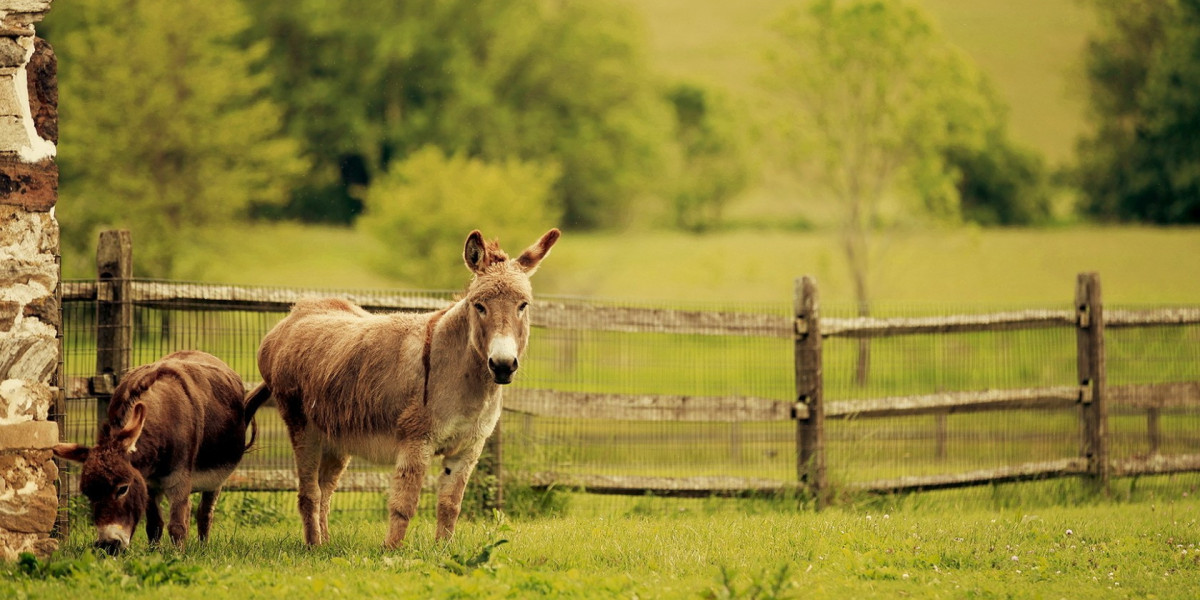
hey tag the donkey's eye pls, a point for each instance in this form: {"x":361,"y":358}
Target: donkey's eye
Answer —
{"x":122,"y":490}
{"x":481,"y":309}
{"x":522,"y":307}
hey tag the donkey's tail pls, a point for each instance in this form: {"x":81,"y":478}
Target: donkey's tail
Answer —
{"x":254,"y":400}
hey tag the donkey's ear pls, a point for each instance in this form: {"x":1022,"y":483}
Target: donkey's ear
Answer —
{"x":533,"y":255}
{"x":72,"y":452}
{"x":128,"y":436}
{"x":474,"y":253}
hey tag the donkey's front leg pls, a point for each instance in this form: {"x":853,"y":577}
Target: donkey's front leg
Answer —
{"x":452,"y":483}
{"x":179,"y":495}
{"x":154,"y":520}
{"x":412,"y":463}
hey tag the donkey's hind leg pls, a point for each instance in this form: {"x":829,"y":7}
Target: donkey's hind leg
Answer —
{"x":333,"y":463}
{"x":204,"y":514}
{"x":306,"y":446}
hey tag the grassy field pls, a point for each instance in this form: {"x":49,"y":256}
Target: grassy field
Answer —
{"x":946,"y":267}
{"x":922,"y":546}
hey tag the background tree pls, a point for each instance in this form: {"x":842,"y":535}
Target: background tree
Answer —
{"x":169,"y":128}
{"x":715,"y":165}
{"x":372,"y":81}
{"x":1167,"y":189}
{"x":1142,"y":161}
{"x":878,"y":106}
{"x":1001,"y":183}
{"x":1117,"y":63}
{"x":452,"y":195}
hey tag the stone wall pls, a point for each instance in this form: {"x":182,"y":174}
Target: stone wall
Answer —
{"x":30,"y":319}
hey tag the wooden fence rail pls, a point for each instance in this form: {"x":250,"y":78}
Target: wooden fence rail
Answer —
{"x":115,"y":293}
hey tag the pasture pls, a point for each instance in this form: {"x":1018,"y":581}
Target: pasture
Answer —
{"x":1013,"y":542}
{"x":983,"y":268}
{"x":941,"y":544}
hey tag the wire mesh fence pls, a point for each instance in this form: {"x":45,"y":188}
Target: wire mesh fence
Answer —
{"x":581,"y":351}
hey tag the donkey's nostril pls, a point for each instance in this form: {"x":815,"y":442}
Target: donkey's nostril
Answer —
{"x":502,"y":370}
{"x":502,"y":366}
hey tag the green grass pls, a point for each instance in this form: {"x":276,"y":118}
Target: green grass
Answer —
{"x":930,"y":546}
{"x":946,"y":268}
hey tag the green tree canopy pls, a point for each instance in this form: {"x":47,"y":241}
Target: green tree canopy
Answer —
{"x":422,"y":209}
{"x":715,"y":166}
{"x":1141,"y":161}
{"x":372,"y":81}
{"x":166,"y":126}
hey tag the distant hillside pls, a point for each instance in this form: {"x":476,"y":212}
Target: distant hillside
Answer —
{"x":1030,"y":49}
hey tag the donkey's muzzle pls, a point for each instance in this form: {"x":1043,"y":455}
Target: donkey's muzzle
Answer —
{"x":502,"y":370}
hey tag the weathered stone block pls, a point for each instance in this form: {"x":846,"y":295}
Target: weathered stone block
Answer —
{"x":18,"y":16}
{"x":11,"y":53}
{"x":26,"y":236}
{"x":10,"y":105}
{"x":32,"y":186}
{"x":44,"y":309}
{"x":28,"y":436}
{"x":8,"y":314}
{"x":13,"y":544}
{"x":43,"y":90}
{"x":22,"y":401}
{"x":28,"y":357}
{"x":28,"y":495}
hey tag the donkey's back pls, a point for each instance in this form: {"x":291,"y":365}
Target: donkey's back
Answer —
{"x":349,"y":373}
{"x":196,"y":417}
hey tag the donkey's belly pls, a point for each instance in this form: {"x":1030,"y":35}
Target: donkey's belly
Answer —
{"x":201,"y":480}
{"x":210,"y":480}
{"x":379,"y":449}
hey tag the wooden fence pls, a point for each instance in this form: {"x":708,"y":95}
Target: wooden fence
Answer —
{"x":115,"y":293}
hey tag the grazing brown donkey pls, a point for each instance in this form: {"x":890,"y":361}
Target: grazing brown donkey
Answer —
{"x":400,"y":388}
{"x":184,"y":429}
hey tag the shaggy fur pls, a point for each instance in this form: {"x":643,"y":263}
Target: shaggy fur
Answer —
{"x":399,"y":388}
{"x":180,"y":417}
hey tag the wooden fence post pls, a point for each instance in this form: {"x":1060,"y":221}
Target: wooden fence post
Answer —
{"x":810,"y":431}
{"x":114,"y":316}
{"x":1089,"y":336}
{"x":1153,"y":429}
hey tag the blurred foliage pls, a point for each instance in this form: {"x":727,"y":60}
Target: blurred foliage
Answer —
{"x":1000,"y":182}
{"x":166,"y":129}
{"x":889,"y":117}
{"x":184,"y":117}
{"x":1141,"y":162}
{"x":424,"y":207}
{"x":370,"y":82}
{"x":715,"y":162}
{"x":883,"y":107}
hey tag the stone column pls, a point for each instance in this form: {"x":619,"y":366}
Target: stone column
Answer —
{"x":30,"y":319}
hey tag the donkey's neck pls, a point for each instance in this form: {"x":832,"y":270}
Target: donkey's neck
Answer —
{"x":452,"y":350}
